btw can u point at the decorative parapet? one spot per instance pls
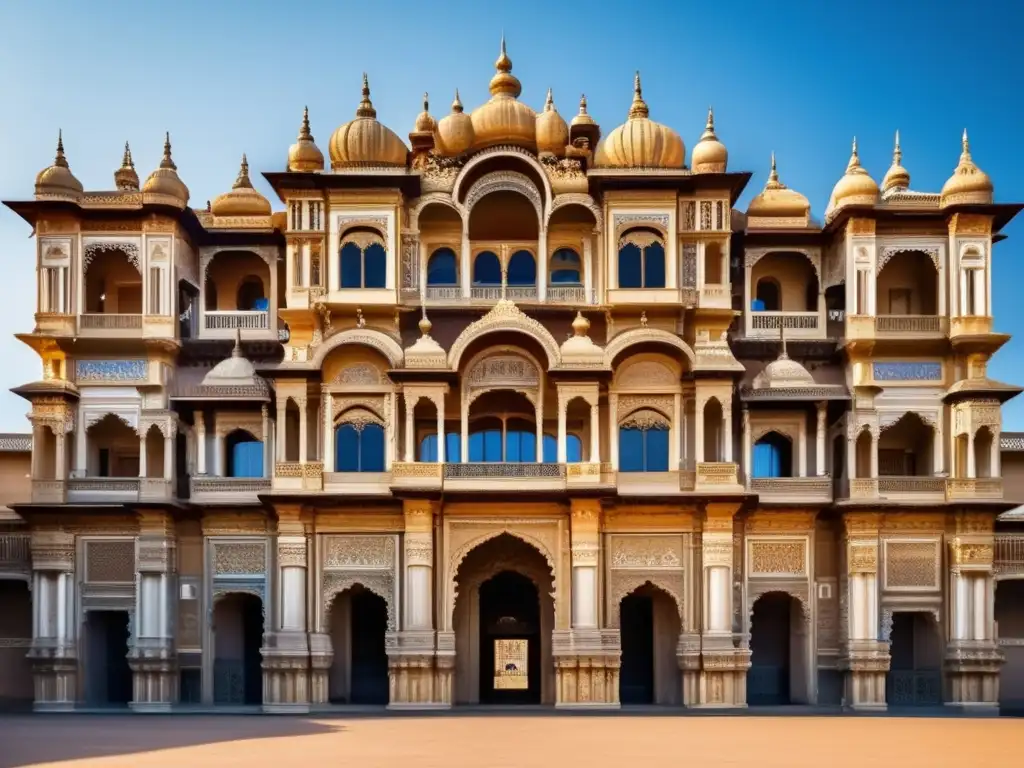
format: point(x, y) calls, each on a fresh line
point(298, 476)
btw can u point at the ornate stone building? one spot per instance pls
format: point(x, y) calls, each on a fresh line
point(512, 412)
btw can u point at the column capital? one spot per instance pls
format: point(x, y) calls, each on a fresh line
point(419, 515)
point(718, 516)
point(52, 551)
point(862, 524)
point(292, 551)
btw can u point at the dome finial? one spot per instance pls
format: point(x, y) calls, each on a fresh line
point(125, 177)
point(639, 106)
point(783, 355)
point(773, 175)
point(60, 160)
point(365, 108)
point(237, 350)
point(457, 103)
point(504, 63)
point(896, 177)
point(167, 161)
point(897, 152)
point(242, 182)
point(580, 324)
point(504, 83)
point(710, 126)
point(126, 160)
point(426, 101)
point(965, 151)
point(549, 102)
point(304, 132)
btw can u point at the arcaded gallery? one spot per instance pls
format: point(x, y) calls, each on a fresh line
point(513, 411)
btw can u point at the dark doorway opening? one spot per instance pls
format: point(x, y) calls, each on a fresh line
point(238, 638)
point(109, 678)
point(509, 637)
point(369, 659)
point(636, 676)
point(768, 679)
point(915, 667)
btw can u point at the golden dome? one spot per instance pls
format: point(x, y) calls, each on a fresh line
point(304, 154)
point(640, 142)
point(778, 200)
point(125, 177)
point(968, 184)
point(58, 179)
point(552, 132)
point(424, 122)
point(856, 187)
point(710, 155)
point(583, 118)
point(504, 119)
point(897, 177)
point(364, 141)
point(242, 200)
point(455, 131)
point(164, 180)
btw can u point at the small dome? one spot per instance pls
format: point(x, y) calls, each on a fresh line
point(580, 349)
point(424, 122)
point(57, 180)
point(783, 373)
point(504, 119)
point(778, 200)
point(232, 371)
point(897, 177)
point(304, 154)
point(640, 142)
point(552, 132)
point(968, 184)
point(164, 180)
point(856, 187)
point(583, 118)
point(125, 177)
point(710, 155)
point(364, 141)
point(455, 131)
point(242, 200)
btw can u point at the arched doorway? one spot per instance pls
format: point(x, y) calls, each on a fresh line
point(649, 629)
point(1009, 614)
point(915, 666)
point(108, 678)
point(358, 622)
point(237, 658)
point(503, 619)
point(16, 691)
point(778, 648)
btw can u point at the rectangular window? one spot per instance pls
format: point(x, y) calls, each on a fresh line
point(970, 305)
point(297, 267)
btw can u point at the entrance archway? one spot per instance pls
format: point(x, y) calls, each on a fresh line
point(237, 658)
point(649, 631)
point(359, 670)
point(16, 689)
point(778, 648)
point(503, 620)
point(108, 678)
point(1009, 614)
point(915, 667)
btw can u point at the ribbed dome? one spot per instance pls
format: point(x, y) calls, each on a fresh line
point(856, 187)
point(783, 373)
point(455, 131)
point(425, 123)
point(304, 154)
point(777, 200)
point(710, 154)
point(125, 178)
point(164, 180)
point(364, 141)
point(897, 177)
point(640, 142)
point(968, 184)
point(504, 119)
point(57, 179)
point(242, 200)
point(552, 132)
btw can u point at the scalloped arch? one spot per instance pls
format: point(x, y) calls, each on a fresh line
point(431, 198)
point(578, 198)
point(626, 339)
point(367, 337)
point(379, 583)
point(626, 584)
point(514, 152)
point(505, 316)
point(505, 181)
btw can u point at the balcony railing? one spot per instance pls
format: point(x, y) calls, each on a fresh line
point(908, 324)
point(241, 320)
point(110, 322)
point(227, 489)
point(795, 489)
point(503, 470)
point(986, 488)
point(1009, 554)
point(798, 325)
point(922, 488)
point(452, 294)
point(14, 552)
point(567, 294)
point(100, 489)
point(444, 293)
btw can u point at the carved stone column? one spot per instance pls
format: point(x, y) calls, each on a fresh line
point(972, 657)
point(819, 442)
point(587, 658)
point(724, 662)
point(200, 443)
point(152, 656)
point(417, 681)
point(54, 652)
point(864, 657)
point(286, 658)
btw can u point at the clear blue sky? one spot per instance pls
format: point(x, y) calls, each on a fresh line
point(227, 77)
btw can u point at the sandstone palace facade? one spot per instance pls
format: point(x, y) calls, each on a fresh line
point(517, 411)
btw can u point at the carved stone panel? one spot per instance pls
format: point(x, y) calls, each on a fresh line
point(110, 561)
point(359, 552)
point(776, 558)
point(912, 565)
point(239, 558)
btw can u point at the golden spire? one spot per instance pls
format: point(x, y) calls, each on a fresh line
point(639, 107)
point(365, 108)
point(897, 153)
point(125, 177)
point(504, 82)
point(304, 132)
point(549, 102)
point(773, 176)
point(580, 324)
point(968, 184)
point(167, 162)
point(854, 158)
point(897, 176)
point(965, 152)
point(457, 103)
point(62, 162)
point(242, 181)
point(504, 63)
point(126, 160)
point(709, 127)
point(583, 118)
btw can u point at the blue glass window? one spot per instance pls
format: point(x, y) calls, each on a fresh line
point(520, 446)
point(375, 263)
point(630, 266)
point(550, 448)
point(244, 455)
point(654, 266)
point(573, 449)
point(643, 450)
point(772, 457)
point(566, 268)
point(441, 268)
point(351, 266)
point(428, 447)
point(522, 269)
point(359, 450)
point(485, 445)
point(486, 269)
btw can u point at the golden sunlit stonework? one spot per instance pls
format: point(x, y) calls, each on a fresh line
point(515, 412)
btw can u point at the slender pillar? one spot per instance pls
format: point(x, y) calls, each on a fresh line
point(81, 446)
point(200, 443)
point(539, 417)
point(995, 458)
point(748, 450)
point(971, 464)
point(220, 469)
point(542, 264)
point(60, 463)
point(280, 429)
point(439, 404)
point(152, 656)
point(874, 456)
point(727, 436)
point(595, 434)
point(938, 460)
point(169, 456)
point(143, 469)
point(268, 469)
point(327, 400)
point(53, 653)
point(698, 432)
point(467, 268)
point(410, 426)
point(613, 430)
point(464, 441)
point(819, 441)
point(562, 451)
point(303, 430)
point(801, 447)
point(865, 658)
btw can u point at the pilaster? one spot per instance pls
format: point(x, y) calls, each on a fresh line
point(53, 654)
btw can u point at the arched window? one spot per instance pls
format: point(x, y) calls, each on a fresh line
point(244, 455)
point(251, 296)
point(768, 295)
point(566, 267)
point(485, 445)
point(364, 261)
point(643, 448)
point(549, 445)
point(573, 449)
point(520, 446)
point(486, 269)
point(359, 448)
point(441, 268)
point(522, 269)
point(772, 457)
point(641, 260)
point(428, 447)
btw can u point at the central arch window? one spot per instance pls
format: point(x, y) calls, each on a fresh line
point(641, 259)
point(643, 443)
point(244, 455)
point(359, 447)
point(486, 269)
point(363, 260)
point(566, 267)
point(441, 268)
point(773, 457)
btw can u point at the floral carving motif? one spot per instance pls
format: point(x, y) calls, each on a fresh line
point(110, 561)
point(372, 552)
point(778, 558)
point(647, 552)
point(912, 564)
point(130, 250)
point(239, 559)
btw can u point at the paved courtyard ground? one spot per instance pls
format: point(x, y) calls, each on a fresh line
point(506, 740)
